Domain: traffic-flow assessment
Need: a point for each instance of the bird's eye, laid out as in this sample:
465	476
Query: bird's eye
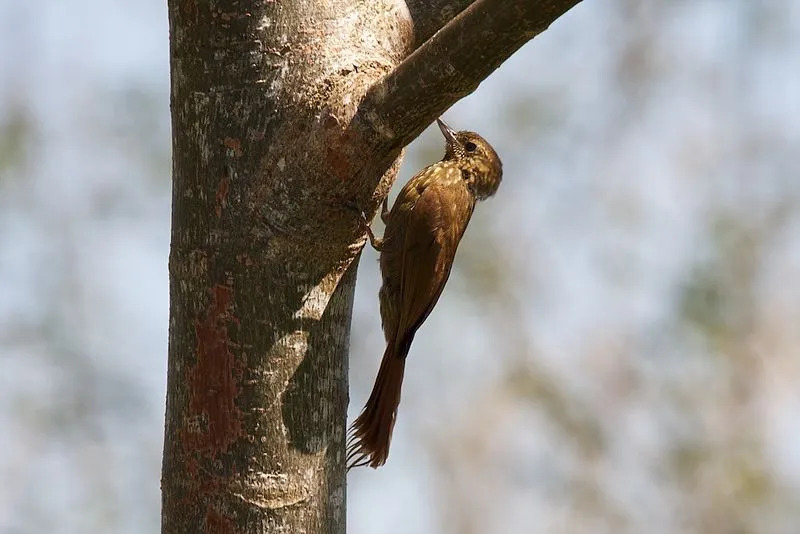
469	146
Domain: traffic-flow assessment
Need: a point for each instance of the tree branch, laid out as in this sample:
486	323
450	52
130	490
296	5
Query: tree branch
430	15
450	65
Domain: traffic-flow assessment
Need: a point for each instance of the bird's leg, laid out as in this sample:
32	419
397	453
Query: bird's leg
376	242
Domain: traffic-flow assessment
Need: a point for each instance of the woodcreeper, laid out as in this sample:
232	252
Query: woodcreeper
422	233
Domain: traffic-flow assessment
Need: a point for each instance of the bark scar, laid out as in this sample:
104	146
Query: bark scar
214	421
217	523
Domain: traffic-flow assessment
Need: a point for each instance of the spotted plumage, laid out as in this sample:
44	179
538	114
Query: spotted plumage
423	231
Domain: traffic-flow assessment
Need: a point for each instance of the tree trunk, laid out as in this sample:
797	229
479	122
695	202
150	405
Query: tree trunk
279	124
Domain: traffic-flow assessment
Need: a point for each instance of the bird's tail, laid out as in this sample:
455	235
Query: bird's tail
371	432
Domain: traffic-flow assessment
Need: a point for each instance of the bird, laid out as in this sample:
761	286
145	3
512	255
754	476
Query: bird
421	236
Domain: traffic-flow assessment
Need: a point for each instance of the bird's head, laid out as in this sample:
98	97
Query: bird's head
480	165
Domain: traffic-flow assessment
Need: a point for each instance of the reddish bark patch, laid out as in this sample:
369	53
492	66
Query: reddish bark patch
233	144
214	420
338	163
217	523
338	144
222	195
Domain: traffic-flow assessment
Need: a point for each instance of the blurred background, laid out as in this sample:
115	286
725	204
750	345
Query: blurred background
618	349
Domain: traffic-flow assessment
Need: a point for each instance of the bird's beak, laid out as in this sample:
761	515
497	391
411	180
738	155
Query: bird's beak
447	132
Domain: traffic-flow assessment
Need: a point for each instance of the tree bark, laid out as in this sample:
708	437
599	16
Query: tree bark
273	138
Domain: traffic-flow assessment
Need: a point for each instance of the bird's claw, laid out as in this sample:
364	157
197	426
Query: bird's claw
376	242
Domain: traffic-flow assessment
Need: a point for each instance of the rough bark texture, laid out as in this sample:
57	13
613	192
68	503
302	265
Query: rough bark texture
271	141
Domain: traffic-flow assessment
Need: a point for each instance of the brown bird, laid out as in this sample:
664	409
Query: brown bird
422	233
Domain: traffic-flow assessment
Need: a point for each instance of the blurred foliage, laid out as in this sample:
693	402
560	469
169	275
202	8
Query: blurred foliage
16	138
661	425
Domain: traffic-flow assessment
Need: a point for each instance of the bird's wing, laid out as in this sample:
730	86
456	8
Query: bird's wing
432	233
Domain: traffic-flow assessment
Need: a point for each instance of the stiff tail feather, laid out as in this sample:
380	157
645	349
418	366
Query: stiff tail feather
371	432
